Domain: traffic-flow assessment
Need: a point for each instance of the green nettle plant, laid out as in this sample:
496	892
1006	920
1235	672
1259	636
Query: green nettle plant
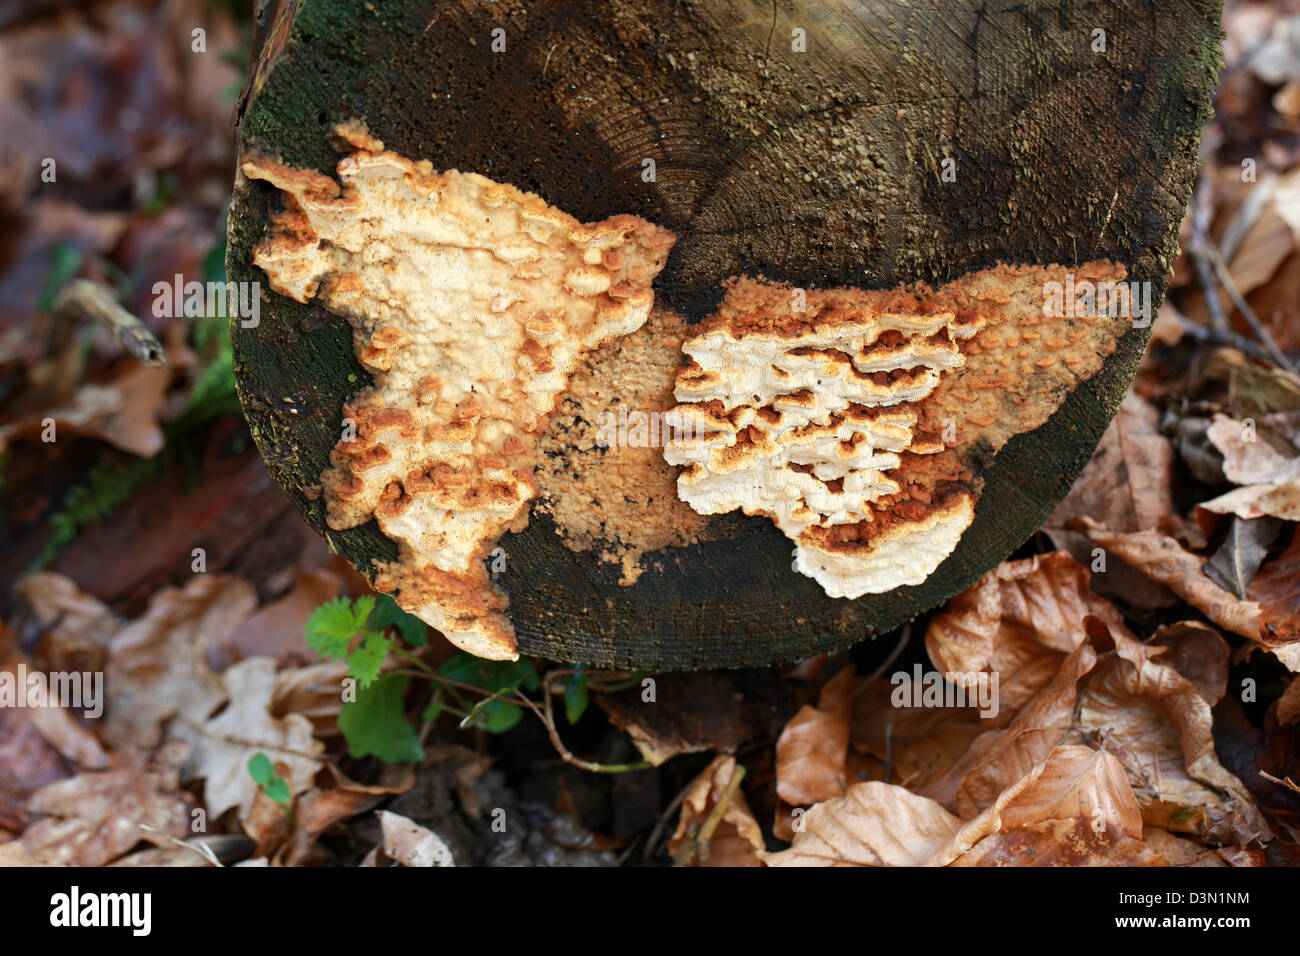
366	632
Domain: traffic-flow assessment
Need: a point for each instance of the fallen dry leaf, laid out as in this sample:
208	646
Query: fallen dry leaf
157	665
224	745
1248	457
872	824
1128	483
1001	757
737	841
1280	500
314	691
1075	808
1017	622
14	854
78	627
276	630
123	412
1276	589
1160	728
409	844
1127	486
813	747
1288	705
1179	851
1239	557
69	737
97	816
912	746
1164	560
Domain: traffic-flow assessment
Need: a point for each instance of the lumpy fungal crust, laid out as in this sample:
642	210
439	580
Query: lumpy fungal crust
471	304
860	422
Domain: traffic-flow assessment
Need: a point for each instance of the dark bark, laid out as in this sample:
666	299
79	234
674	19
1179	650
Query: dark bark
820	168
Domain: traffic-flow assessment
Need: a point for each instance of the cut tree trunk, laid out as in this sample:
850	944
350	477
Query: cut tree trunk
801	141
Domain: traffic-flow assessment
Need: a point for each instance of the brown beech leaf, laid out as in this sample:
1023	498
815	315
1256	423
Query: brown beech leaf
157	665
71	738
1248	457
908	745
77	626
1179	851
737	839
1127	484
999	758
811	751
1198	652
97	816
276	630
1288	705
1017	622
314	692
14	854
872	824
123	412
406	843
1163	559
267	823
1075	808
1160	728
1276	588
224	745
1237	559
28	761
1279	500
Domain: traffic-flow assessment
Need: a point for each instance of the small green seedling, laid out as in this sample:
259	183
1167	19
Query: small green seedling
263	773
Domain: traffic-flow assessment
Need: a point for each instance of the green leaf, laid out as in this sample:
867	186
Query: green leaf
575	696
491	676
368	659
261	769
279	791
387	614
332	626
375	724
494	715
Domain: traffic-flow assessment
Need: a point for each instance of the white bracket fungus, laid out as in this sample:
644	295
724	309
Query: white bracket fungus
471	303
860	421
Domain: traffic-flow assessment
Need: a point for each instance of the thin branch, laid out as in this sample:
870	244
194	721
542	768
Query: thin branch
81	297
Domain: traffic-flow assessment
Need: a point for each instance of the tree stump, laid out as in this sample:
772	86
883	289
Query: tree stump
802	141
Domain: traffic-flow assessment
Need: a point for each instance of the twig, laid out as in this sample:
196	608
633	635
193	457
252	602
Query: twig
1204	272
1288	782
1216	337
903	640
653	838
698	848
83	297
1212	272
1242	306
548	720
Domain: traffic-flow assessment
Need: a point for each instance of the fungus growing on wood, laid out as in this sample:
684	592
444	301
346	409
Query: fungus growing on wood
860	422
471	303
859	160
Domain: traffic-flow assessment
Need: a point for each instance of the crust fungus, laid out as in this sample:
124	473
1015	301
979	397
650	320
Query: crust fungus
471	304
859	422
